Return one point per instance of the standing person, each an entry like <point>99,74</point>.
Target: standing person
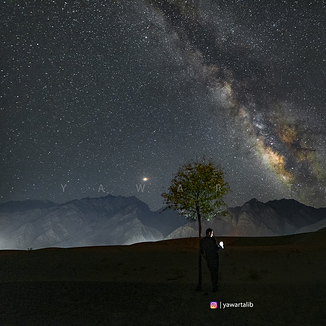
<point>209,248</point>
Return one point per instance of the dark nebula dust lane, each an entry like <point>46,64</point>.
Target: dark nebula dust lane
<point>101,97</point>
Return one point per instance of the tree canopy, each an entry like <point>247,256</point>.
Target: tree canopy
<point>197,191</point>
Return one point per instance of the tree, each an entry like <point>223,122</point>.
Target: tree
<point>196,192</point>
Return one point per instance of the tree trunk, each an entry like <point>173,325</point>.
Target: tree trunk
<point>199,286</point>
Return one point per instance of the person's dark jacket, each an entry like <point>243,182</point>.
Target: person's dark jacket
<point>209,248</point>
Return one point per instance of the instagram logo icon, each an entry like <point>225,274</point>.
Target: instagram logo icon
<point>213,305</point>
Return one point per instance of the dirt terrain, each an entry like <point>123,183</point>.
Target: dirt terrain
<point>263,281</point>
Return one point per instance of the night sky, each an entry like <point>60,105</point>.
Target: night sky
<point>97,95</point>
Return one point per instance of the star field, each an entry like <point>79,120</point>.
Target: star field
<point>98,95</point>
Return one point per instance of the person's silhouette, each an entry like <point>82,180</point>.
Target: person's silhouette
<point>209,248</point>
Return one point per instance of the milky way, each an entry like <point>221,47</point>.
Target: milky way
<point>98,96</point>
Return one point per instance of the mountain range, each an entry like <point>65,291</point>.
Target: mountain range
<point>254,218</point>
<point>118,220</point>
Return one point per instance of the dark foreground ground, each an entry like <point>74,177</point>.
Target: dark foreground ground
<point>284,278</point>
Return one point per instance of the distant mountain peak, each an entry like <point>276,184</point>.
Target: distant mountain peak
<point>253,201</point>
